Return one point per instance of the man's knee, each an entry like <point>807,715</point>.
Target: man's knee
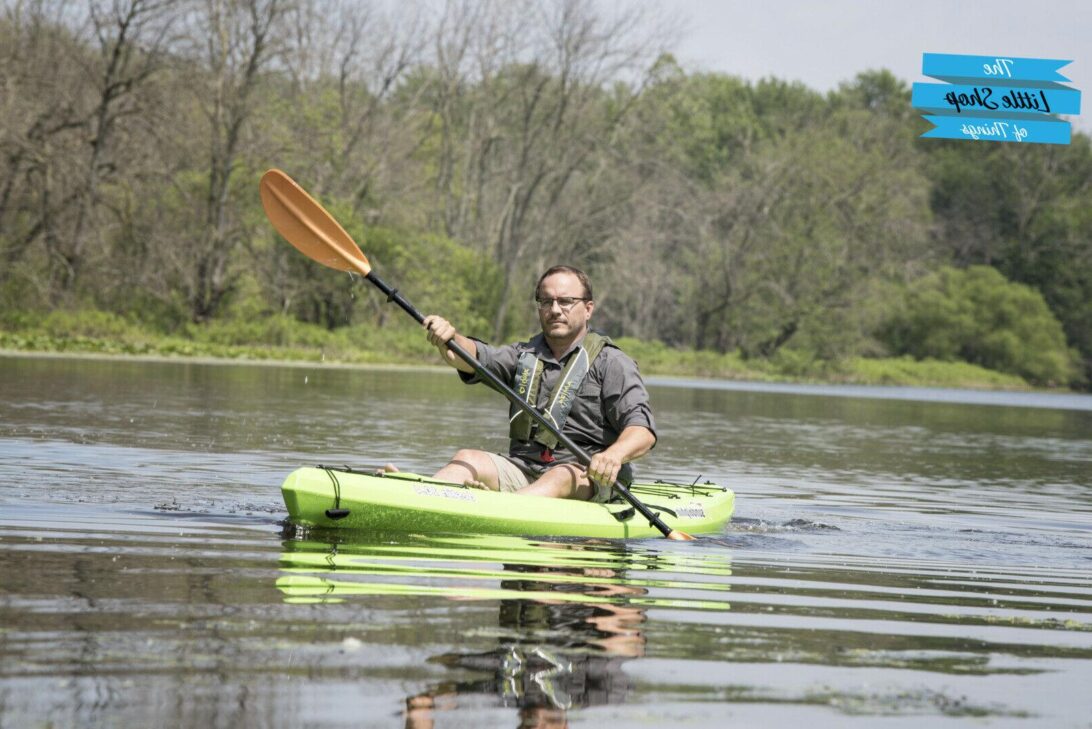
<point>478,463</point>
<point>571,475</point>
<point>563,481</point>
<point>471,456</point>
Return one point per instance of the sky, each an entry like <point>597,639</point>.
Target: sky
<point>824,42</point>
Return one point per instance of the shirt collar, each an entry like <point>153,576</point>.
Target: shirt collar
<point>543,351</point>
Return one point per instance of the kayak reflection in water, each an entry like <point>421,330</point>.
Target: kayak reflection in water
<point>566,653</point>
<point>578,379</point>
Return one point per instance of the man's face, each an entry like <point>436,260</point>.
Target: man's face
<point>558,324</point>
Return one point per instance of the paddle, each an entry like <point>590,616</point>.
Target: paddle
<point>305,224</point>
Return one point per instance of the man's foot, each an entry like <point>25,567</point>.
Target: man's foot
<point>473,484</point>
<point>388,468</point>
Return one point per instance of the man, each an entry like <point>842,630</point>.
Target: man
<point>609,416</point>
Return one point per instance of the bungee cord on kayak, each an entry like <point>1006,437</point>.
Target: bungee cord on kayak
<point>337,512</point>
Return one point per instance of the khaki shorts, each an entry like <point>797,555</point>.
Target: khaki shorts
<point>511,478</point>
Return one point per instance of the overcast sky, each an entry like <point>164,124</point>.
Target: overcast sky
<point>824,42</point>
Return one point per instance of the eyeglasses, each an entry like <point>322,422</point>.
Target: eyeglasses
<point>565,302</point>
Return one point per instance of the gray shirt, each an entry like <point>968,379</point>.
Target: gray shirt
<point>611,398</point>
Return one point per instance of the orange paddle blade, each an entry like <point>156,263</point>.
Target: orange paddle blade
<point>306,225</point>
<point>679,536</point>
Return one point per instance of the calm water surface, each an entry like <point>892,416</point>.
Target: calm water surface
<point>893,561</point>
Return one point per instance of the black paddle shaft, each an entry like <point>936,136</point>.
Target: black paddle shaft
<point>508,392</point>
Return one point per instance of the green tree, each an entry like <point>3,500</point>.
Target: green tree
<point>1024,209</point>
<point>72,129</point>
<point>523,113</point>
<point>978,316</point>
<point>772,209</point>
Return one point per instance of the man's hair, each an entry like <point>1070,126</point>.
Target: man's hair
<point>580,275</point>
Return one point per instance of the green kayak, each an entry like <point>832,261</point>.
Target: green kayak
<point>406,502</point>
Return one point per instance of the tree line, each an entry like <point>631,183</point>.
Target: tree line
<point>468,145</point>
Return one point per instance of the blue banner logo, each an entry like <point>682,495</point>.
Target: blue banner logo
<point>947,66</point>
<point>996,98</point>
<point>998,130</point>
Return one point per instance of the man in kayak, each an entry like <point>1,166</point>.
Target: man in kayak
<point>588,386</point>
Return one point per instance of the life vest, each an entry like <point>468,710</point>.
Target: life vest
<point>528,379</point>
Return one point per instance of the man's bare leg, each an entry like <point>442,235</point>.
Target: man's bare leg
<point>561,482</point>
<point>473,468</point>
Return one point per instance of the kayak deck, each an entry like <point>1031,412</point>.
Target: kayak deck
<point>407,502</point>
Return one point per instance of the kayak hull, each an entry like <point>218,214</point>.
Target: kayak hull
<point>405,502</point>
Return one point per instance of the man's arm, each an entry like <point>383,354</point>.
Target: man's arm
<point>634,442</point>
<point>626,408</point>
<point>440,331</point>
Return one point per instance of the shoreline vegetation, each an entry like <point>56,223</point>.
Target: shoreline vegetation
<point>282,340</point>
<point>736,230</point>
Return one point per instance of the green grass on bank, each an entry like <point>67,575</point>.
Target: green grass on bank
<point>788,366</point>
<point>285,339</point>
<point>268,338</point>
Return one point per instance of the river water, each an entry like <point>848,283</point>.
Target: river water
<point>897,558</point>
